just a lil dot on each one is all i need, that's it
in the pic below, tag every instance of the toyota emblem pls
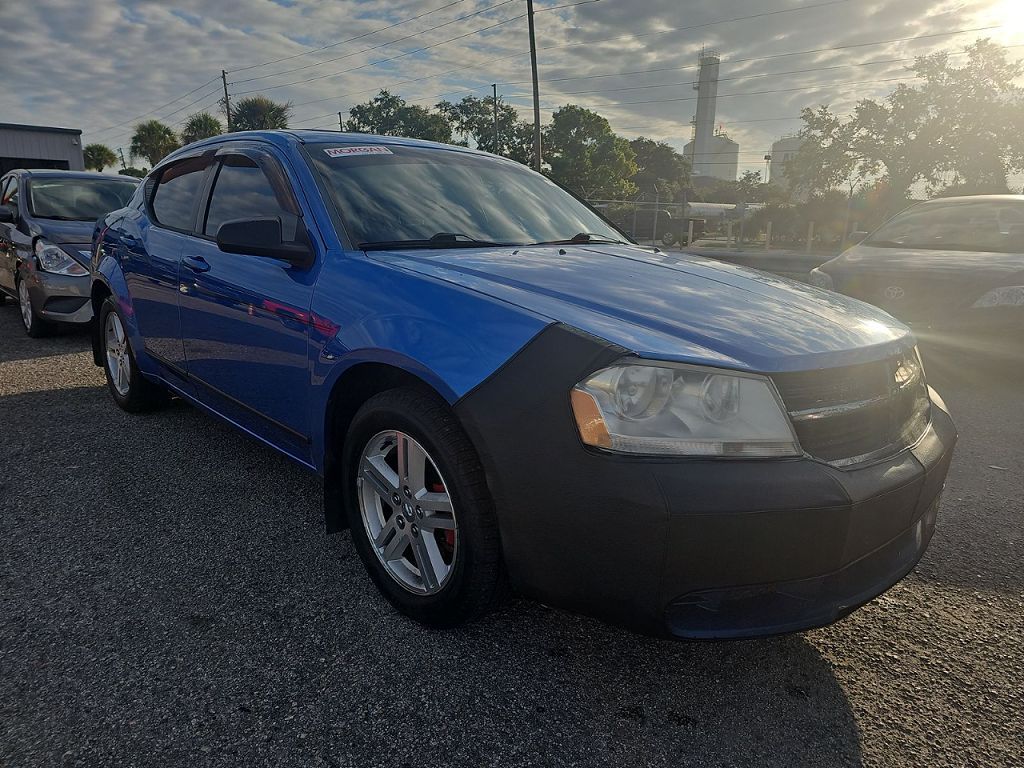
(894, 292)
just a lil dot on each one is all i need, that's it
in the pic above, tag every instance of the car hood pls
(679, 307)
(64, 232)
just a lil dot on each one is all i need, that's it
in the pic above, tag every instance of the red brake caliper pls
(449, 535)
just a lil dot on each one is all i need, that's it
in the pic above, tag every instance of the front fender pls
(450, 337)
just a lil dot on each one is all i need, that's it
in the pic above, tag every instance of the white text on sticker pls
(365, 150)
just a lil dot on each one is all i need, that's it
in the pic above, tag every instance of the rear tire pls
(668, 238)
(35, 326)
(132, 391)
(455, 532)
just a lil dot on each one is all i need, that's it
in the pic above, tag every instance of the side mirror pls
(264, 237)
(858, 237)
(7, 215)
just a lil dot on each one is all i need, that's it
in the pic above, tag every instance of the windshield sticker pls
(364, 150)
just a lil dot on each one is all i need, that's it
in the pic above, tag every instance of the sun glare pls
(1010, 14)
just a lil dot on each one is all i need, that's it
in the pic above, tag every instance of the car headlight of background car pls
(680, 410)
(820, 279)
(56, 260)
(1007, 296)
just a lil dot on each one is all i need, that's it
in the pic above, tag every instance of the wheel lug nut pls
(401, 522)
(395, 498)
(419, 512)
(408, 493)
(415, 530)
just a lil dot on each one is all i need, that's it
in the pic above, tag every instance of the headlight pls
(1007, 296)
(56, 260)
(821, 279)
(682, 410)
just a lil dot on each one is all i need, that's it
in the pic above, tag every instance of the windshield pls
(423, 197)
(72, 199)
(983, 225)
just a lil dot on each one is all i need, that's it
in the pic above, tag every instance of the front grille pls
(860, 412)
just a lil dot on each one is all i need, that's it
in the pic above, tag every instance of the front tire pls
(668, 238)
(132, 391)
(35, 326)
(421, 516)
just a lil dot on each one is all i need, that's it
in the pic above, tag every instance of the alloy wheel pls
(119, 364)
(25, 302)
(407, 512)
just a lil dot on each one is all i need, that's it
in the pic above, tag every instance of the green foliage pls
(389, 115)
(153, 141)
(98, 157)
(201, 125)
(587, 157)
(963, 121)
(138, 173)
(473, 119)
(258, 113)
(660, 169)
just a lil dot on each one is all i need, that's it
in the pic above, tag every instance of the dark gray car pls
(46, 223)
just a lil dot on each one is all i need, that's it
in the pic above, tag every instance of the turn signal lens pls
(591, 424)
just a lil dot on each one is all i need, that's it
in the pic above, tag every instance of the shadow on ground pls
(168, 597)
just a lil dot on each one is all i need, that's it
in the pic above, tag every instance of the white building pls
(783, 151)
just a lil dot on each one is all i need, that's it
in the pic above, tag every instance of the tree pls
(473, 119)
(962, 120)
(98, 157)
(389, 115)
(258, 113)
(660, 168)
(587, 157)
(138, 173)
(153, 141)
(201, 125)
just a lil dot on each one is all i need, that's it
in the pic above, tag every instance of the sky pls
(102, 66)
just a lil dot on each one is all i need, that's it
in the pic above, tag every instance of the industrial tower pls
(711, 152)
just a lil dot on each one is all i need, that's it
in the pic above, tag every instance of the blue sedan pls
(500, 391)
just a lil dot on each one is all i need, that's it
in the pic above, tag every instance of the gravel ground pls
(168, 598)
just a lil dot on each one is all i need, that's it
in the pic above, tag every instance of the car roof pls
(976, 199)
(302, 136)
(48, 173)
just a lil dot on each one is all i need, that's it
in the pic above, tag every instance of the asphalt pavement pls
(168, 597)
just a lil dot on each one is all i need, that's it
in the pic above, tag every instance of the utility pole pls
(536, 89)
(494, 87)
(227, 100)
(341, 125)
(124, 165)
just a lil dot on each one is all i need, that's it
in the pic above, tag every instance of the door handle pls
(196, 263)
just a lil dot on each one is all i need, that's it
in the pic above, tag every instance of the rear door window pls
(177, 193)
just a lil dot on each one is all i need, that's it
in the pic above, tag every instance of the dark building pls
(38, 146)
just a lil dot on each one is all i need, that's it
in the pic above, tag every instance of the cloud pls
(102, 66)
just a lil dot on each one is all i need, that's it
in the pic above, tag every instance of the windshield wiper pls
(440, 240)
(583, 238)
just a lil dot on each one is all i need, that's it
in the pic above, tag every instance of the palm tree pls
(201, 125)
(98, 157)
(153, 140)
(258, 113)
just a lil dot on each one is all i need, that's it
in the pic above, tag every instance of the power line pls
(392, 58)
(634, 36)
(150, 112)
(763, 58)
(346, 40)
(375, 47)
(760, 93)
(339, 96)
